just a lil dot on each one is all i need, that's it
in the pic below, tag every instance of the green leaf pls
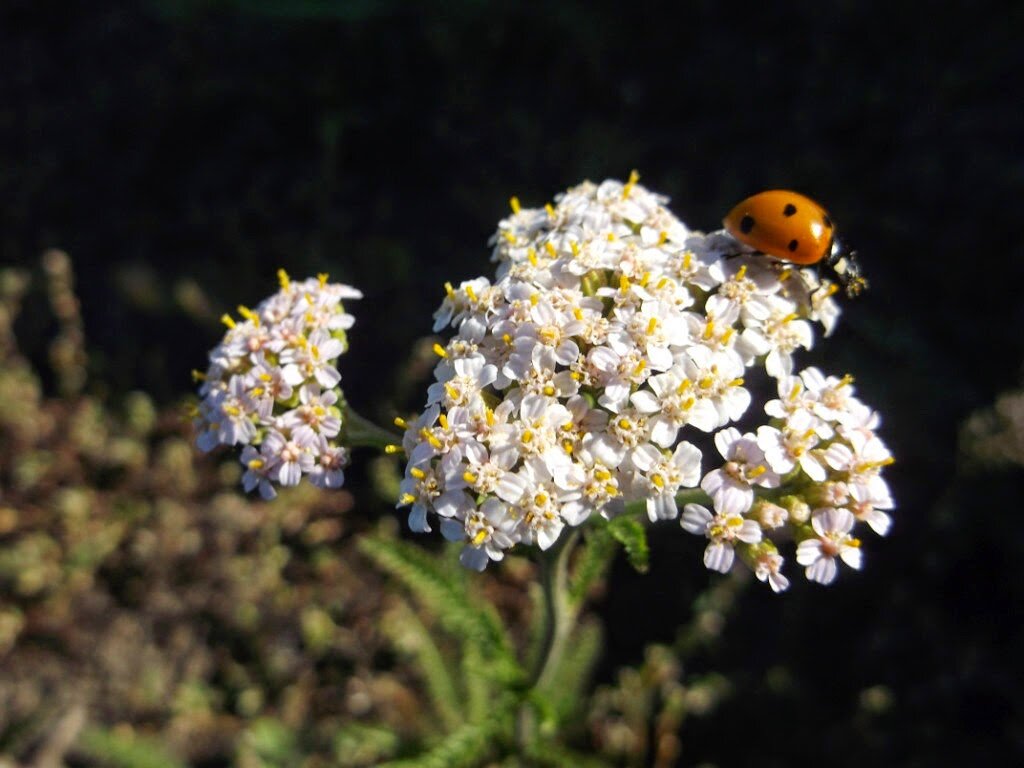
(411, 635)
(271, 742)
(632, 534)
(440, 586)
(594, 559)
(467, 747)
(572, 675)
(113, 749)
(546, 754)
(358, 744)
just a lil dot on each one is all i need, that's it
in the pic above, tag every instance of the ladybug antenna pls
(844, 264)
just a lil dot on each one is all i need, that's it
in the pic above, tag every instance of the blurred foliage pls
(185, 150)
(143, 601)
(994, 437)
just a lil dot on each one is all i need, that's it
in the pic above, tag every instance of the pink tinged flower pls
(722, 530)
(249, 340)
(294, 456)
(833, 541)
(329, 471)
(770, 515)
(315, 416)
(267, 386)
(767, 568)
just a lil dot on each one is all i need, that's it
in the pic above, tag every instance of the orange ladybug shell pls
(783, 224)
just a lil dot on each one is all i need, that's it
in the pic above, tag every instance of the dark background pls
(172, 147)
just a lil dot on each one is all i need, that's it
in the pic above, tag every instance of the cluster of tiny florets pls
(273, 387)
(810, 475)
(611, 340)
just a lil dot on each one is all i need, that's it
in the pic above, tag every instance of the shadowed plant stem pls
(560, 613)
(361, 432)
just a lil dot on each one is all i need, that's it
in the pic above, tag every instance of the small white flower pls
(767, 568)
(234, 411)
(833, 541)
(793, 446)
(745, 466)
(717, 377)
(258, 472)
(311, 358)
(861, 456)
(673, 403)
(868, 499)
(722, 530)
(777, 325)
(744, 286)
(665, 475)
(462, 382)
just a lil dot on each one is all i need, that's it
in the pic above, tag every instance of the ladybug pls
(794, 228)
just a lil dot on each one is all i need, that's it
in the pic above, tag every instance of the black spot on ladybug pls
(746, 224)
(793, 245)
(827, 220)
(789, 210)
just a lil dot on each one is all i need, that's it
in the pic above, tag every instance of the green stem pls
(361, 432)
(560, 614)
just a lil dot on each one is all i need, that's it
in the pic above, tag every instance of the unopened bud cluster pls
(273, 387)
(610, 351)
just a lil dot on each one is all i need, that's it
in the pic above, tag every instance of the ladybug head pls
(844, 264)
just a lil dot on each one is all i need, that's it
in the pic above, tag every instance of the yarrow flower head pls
(607, 358)
(272, 386)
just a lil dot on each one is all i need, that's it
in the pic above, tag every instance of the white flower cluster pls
(611, 338)
(810, 474)
(272, 386)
